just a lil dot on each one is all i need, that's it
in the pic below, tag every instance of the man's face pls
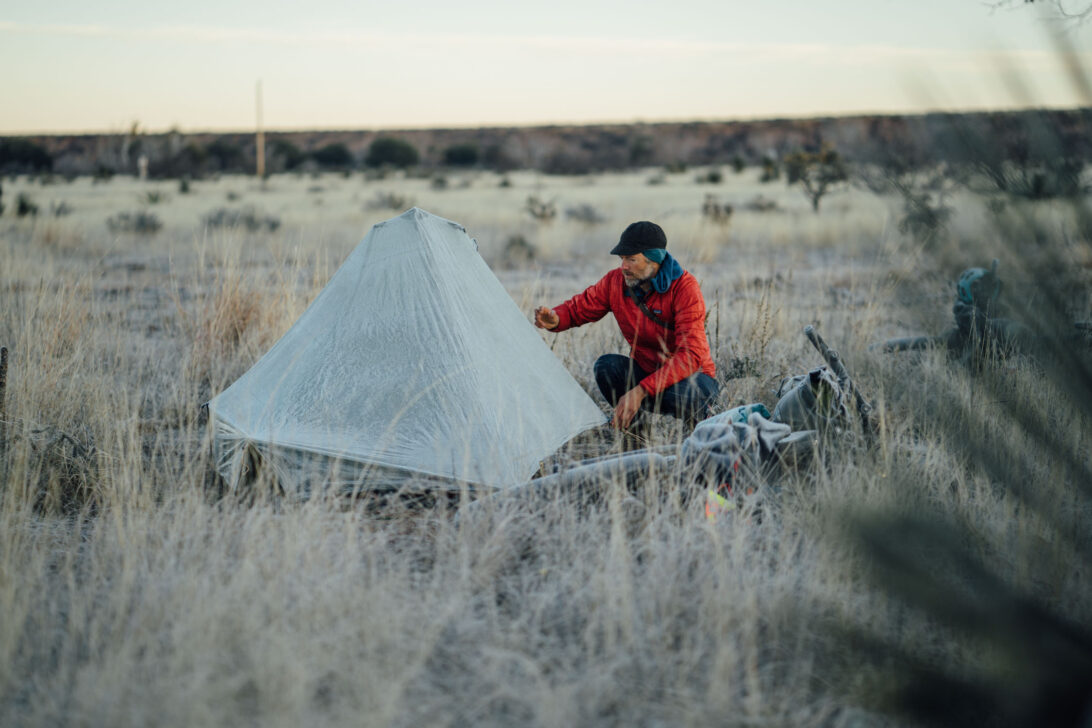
(637, 268)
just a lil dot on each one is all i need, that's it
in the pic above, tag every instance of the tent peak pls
(416, 215)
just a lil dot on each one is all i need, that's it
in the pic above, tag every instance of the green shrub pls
(140, 223)
(190, 162)
(24, 206)
(518, 252)
(642, 151)
(248, 218)
(816, 172)
(228, 155)
(761, 204)
(461, 155)
(392, 152)
(60, 209)
(286, 154)
(333, 156)
(496, 158)
(567, 163)
(711, 177)
(585, 213)
(715, 210)
(389, 201)
(770, 170)
(924, 217)
(1057, 177)
(23, 156)
(541, 210)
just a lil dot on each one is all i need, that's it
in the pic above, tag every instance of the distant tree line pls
(22, 156)
(1036, 153)
(178, 157)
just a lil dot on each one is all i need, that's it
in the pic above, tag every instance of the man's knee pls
(705, 390)
(615, 374)
(613, 367)
(602, 365)
(690, 398)
(708, 386)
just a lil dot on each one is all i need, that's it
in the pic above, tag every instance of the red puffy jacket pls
(670, 354)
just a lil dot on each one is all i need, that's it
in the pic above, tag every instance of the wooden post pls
(261, 135)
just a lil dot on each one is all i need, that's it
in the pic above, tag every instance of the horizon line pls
(819, 115)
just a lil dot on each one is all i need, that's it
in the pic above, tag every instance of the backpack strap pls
(645, 310)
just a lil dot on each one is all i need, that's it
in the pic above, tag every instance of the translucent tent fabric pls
(413, 358)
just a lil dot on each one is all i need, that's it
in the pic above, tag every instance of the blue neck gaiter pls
(670, 271)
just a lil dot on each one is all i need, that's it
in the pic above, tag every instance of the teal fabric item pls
(740, 414)
(670, 271)
(656, 255)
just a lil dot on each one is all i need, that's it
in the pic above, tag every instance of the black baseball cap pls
(639, 237)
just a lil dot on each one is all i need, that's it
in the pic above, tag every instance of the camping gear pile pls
(977, 328)
(727, 456)
(749, 440)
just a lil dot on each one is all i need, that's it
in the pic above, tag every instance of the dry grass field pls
(132, 592)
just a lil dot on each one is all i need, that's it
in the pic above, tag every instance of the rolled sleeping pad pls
(658, 450)
(581, 482)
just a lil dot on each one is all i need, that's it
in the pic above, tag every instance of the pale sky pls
(343, 64)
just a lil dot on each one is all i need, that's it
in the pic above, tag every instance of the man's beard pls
(633, 281)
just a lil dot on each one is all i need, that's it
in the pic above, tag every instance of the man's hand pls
(545, 318)
(628, 407)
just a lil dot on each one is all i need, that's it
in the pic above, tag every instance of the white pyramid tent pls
(413, 358)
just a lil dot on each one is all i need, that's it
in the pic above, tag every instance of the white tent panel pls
(413, 357)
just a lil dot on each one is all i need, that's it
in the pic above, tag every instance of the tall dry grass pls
(133, 593)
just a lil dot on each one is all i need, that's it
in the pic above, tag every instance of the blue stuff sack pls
(739, 414)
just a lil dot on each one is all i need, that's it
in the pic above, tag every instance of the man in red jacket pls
(661, 312)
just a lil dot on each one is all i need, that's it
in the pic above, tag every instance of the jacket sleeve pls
(691, 344)
(583, 308)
